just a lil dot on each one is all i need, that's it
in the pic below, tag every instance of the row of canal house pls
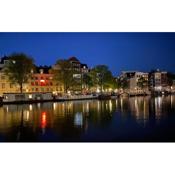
(153, 81)
(42, 80)
(132, 78)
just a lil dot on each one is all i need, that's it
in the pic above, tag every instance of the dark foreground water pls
(125, 119)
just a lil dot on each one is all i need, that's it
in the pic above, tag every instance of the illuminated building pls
(80, 70)
(133, 77)
(76, 65)
(42, 80)
(84, 68)
(5, 84)
(158, 80)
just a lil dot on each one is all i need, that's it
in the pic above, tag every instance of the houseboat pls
(26, 97)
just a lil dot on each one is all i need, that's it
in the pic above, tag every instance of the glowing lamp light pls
(98, 90)
(54, 92)
(6, 97)
(42, 81)
(116, 90)
(110, 89)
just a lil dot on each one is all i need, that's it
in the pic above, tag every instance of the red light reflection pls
(43, 120)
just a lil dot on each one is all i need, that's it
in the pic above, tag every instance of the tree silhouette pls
(18, 69)
(64, 74)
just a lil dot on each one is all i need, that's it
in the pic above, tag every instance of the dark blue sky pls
(120, 51)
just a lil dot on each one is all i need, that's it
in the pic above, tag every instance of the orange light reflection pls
(43, 120)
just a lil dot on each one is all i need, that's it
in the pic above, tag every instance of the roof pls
(73, 59)
(132, 71)
(130, 74)
(158, 71)
(44, 68)
(82, 66)
(3, 59)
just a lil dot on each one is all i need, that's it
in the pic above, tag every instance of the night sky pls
(120, 51)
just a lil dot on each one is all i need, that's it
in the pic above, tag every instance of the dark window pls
(11, 85)
(3, 85)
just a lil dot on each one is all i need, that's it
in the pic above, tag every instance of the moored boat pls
(26, 97)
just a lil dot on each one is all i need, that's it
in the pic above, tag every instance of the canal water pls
(135, 119)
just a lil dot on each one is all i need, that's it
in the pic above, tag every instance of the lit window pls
(42, 82)
(41, 71)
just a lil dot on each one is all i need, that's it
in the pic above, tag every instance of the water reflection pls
(78, 119)
(43, 121)
(90, 120)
